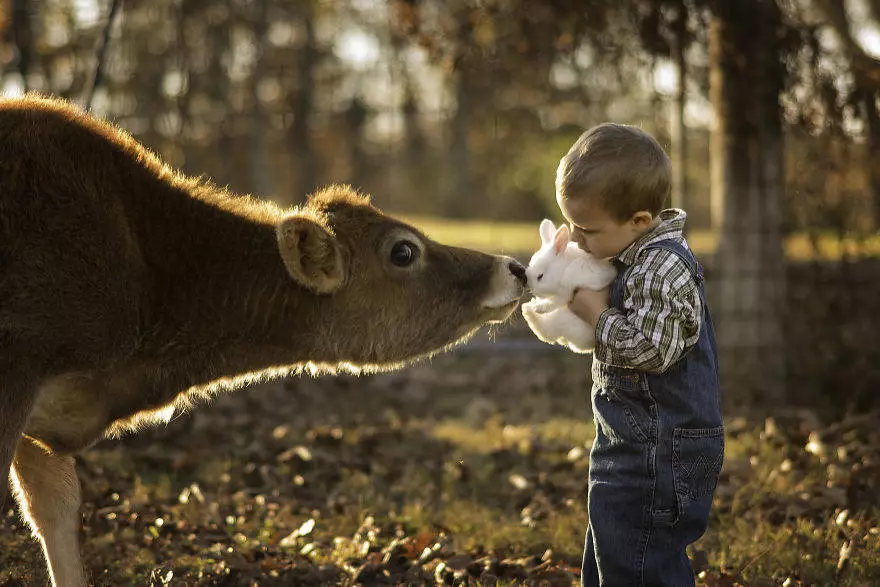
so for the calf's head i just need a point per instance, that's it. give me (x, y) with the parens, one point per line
(381, 291)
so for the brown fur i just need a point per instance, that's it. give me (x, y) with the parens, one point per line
(127, 288)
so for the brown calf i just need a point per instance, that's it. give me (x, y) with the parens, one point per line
(127, 289)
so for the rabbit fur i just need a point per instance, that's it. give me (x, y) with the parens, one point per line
(554, 272)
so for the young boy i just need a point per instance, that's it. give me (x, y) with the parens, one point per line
(656, 401)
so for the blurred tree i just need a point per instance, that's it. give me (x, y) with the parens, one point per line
(301, 99)
(506, 84)
(259, 131)
(512, 64)
(23, 37)
(747, 78)
(681, 37)
(664, 28)
(866, 87)
(98, 76)
(468, 91)
(356, 116)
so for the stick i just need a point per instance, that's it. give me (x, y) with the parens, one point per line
(102, 52)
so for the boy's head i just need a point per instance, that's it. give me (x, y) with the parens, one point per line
(611, 185)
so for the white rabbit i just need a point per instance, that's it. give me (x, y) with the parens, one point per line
(554, 272)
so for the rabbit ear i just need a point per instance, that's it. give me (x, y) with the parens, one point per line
(561, 238)
(547, 229)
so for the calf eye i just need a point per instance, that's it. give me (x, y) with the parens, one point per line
(540, 277)
(404, 253)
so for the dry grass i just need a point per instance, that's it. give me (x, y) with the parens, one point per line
(479, 457)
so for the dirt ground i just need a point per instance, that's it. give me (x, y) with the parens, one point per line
(470, 468)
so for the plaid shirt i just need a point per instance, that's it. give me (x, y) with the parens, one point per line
(662, 309)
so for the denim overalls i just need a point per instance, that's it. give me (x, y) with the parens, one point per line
(656, 459)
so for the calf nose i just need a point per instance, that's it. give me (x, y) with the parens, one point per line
(518, 271)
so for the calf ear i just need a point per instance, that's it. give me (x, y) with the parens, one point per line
(311, 253)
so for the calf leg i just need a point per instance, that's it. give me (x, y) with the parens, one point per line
(48, 495)
(69, 414)
(17, 393)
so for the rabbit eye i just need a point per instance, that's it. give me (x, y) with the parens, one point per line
(540, 277)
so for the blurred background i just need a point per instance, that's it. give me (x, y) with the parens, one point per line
(454, 114)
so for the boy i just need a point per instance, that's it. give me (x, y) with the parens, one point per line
(656, 402)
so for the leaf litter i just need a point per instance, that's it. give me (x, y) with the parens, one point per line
(468, 470)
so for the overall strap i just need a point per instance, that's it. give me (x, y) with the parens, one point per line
(683, 253)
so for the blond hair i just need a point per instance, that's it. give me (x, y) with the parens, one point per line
(621, 168)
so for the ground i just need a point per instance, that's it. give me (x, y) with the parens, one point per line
(471, 467)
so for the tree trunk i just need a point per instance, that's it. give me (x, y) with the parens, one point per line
(261, 181)
(356, 116)
(303, 96)
(866, 74)
(23, 38)
(678, 127)
(461, 190)
(183, 101)
(678, 131)
(747, 189)
(873, 145)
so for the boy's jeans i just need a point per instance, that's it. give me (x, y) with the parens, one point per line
(652, 478)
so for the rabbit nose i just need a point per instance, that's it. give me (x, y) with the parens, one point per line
(518, 271)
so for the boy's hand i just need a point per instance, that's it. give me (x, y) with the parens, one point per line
(588, 304)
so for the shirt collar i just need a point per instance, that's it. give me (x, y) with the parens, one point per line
(671, 226)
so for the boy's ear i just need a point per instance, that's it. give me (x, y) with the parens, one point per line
(547, 229)
(311, 254)
(561, 238)
(642, 218)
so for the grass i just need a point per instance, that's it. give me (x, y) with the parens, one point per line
(521, 238)
(470, 459)
(784, 514)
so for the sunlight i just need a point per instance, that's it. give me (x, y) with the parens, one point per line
(864, 27)
(666, 77)
(86, 11)
(869, 38)
(12, 87)
(358, 47)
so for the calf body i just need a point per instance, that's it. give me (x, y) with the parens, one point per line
(126, 289)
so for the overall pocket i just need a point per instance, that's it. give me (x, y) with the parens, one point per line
(697, 457)
(628, 396)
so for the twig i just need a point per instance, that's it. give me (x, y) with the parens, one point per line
(102, 52)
